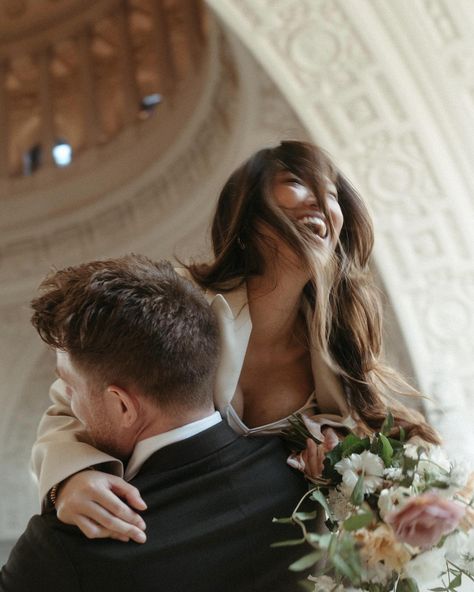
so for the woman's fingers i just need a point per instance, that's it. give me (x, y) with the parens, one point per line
(92, 530)
(312, 459)
(128, 492)
(108, 524)
(107, 498)
(89, 500)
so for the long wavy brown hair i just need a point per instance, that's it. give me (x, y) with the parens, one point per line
(347, 321)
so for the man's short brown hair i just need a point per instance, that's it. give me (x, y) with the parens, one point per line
(132, 322)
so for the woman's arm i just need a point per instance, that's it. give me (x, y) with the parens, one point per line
(62, 447)
(90, 500)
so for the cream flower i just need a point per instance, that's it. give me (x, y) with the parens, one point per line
(325, 584)
(393, 499)
(367, 464)
(379, 546)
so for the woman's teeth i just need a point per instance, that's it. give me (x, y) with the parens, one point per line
(316, 224)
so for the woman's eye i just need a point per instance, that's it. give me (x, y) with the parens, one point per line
(293, 181)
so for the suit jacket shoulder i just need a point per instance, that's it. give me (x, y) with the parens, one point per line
(211, 499)
(39, 560)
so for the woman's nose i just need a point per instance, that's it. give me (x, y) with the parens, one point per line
(310, 198)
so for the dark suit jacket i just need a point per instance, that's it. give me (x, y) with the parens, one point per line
(211, 499)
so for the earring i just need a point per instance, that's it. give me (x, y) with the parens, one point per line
(241, 243)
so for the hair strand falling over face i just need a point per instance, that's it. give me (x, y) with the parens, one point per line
(347, 322)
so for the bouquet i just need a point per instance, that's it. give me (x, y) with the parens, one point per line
(398, 514)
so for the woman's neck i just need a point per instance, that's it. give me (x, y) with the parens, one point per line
(275, 305)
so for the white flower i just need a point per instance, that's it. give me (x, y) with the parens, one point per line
(436, 455)
(325, 584)
(427, 566)
(455, 546)
(434, 464)
(393, 474)
(367, 464)
(456, 480)
(467, 561)
(411, 451)
(460, 472)
(339, 504)
(393, 498)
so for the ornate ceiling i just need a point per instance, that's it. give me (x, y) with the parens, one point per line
(78, 73)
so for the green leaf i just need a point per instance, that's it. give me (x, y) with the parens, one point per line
(323, 540)
(306, 561)
(358, 521)
(283, 520)
(402, 434)
(409, 464)
(455, 582)
(335, 455)
(306, 515)
(318, 497)
(289, 543)
(305, 585)
(357, 496)
(395, 444)
(439, 589)
(354, 445)
(387, 425)
(344, 568)
(407, 585)
(385, 450)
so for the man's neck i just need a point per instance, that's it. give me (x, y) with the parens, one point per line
(161, 433)
(161, 422)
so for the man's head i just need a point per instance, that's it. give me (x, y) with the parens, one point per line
(133, 340)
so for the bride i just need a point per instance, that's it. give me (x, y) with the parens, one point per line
(300, 330)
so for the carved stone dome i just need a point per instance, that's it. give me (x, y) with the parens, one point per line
(74, 75)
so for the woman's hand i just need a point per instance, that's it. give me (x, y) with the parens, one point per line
(91, 501)
(310, 461)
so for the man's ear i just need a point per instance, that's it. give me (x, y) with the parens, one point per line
(123, 406)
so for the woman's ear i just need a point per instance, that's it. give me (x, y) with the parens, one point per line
(122, 406)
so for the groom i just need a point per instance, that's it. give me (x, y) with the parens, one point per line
(137, 347)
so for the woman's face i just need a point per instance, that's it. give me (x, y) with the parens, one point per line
(299, 203)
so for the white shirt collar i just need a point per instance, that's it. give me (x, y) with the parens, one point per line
(145, 448)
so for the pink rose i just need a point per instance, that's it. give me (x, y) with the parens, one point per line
(311, 460)
(424, 519)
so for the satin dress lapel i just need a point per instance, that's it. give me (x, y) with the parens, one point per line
(232, 311)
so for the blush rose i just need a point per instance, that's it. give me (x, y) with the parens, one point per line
(424, 519)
